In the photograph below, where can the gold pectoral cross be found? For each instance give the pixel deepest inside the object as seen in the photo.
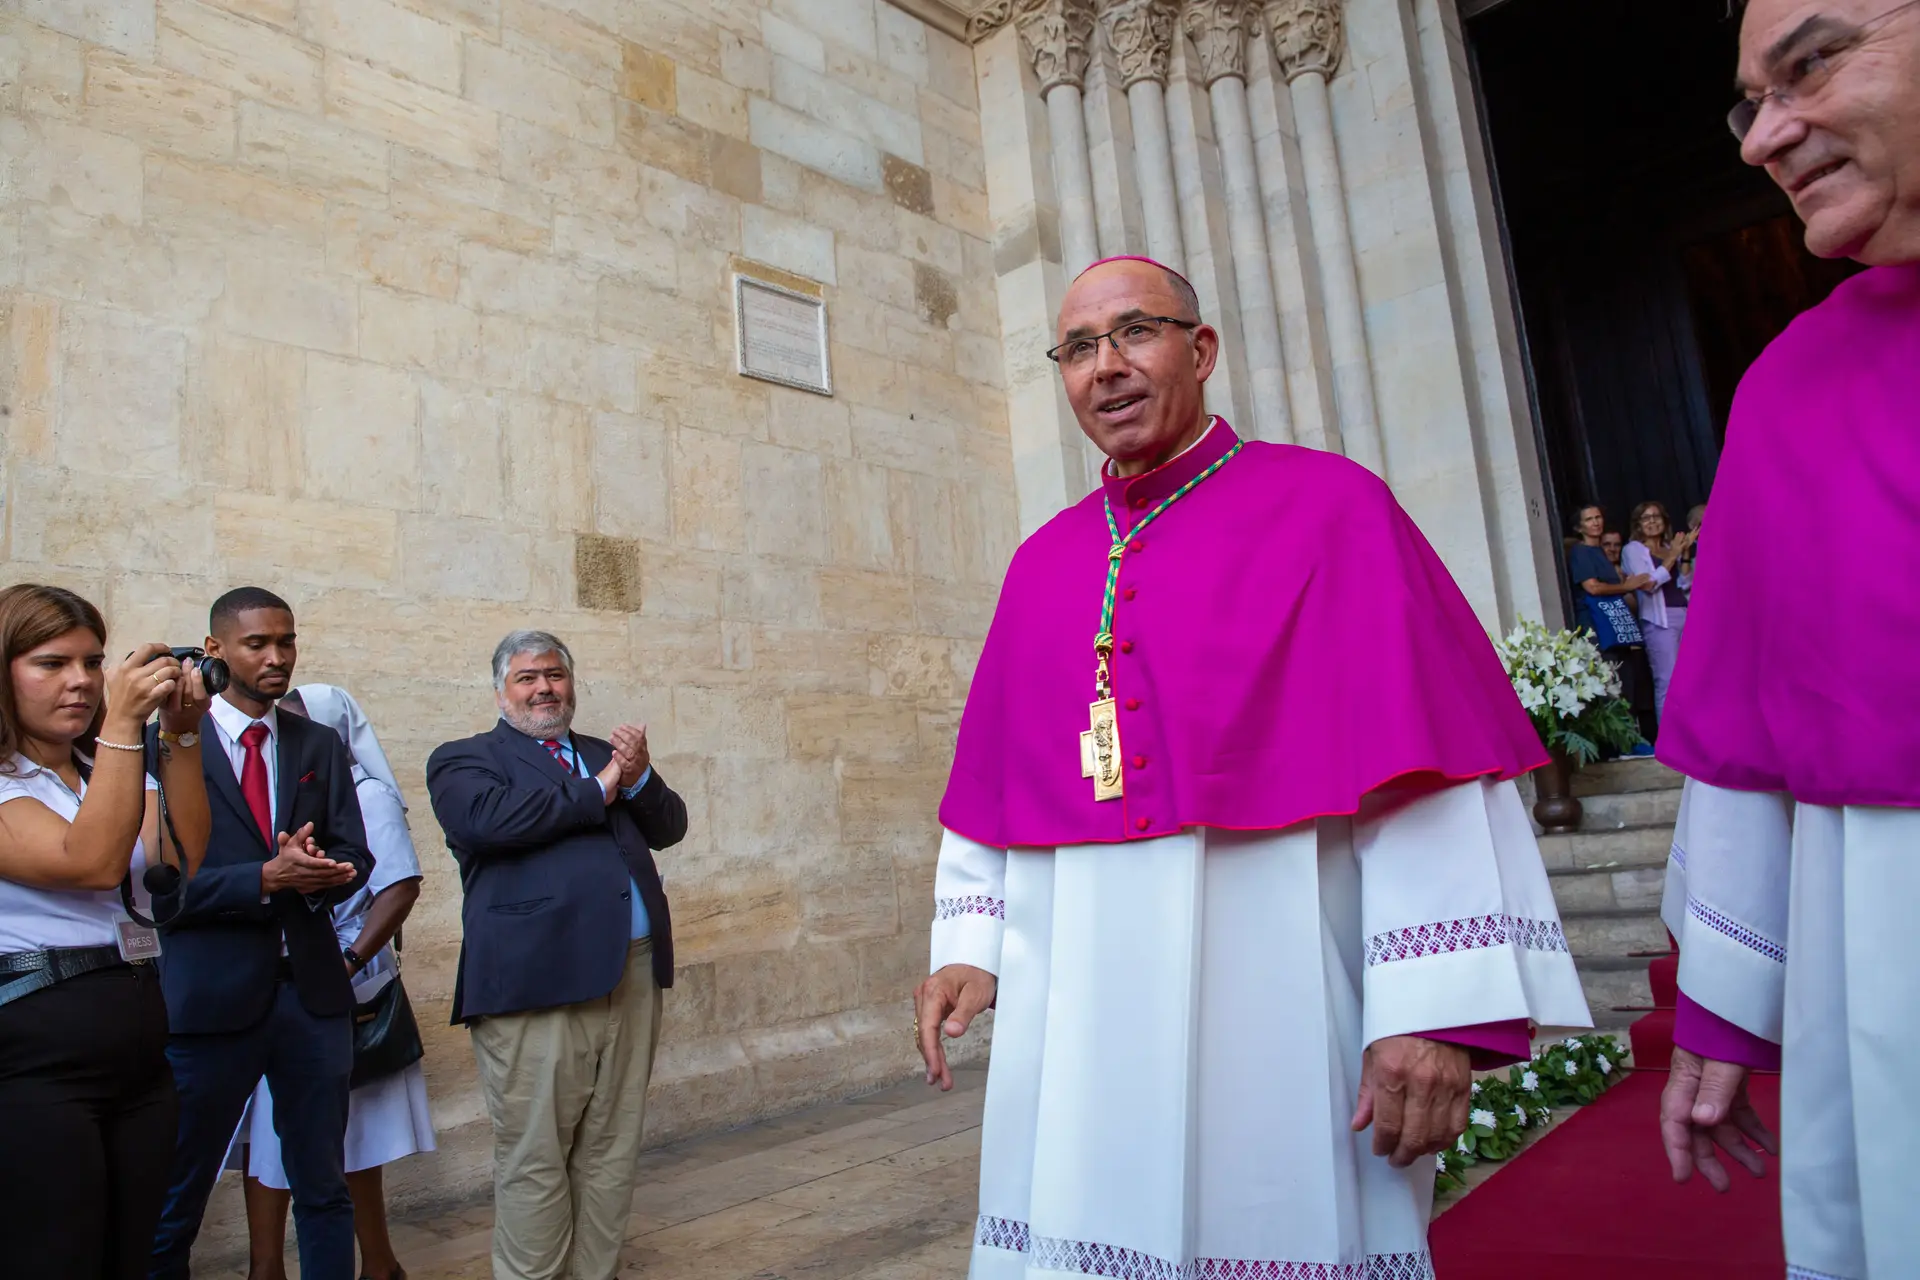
(1100, 750)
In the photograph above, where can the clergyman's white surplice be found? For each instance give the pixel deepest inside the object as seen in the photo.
(1792, 920)
(1180, 1024)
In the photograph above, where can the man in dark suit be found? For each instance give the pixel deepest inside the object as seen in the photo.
(566, 948)
(253, 975)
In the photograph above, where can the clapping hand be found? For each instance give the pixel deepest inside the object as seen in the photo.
(300, 866)
(631, 754)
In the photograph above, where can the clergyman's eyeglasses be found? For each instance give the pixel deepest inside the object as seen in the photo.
(1134, 335)
(1804, 75)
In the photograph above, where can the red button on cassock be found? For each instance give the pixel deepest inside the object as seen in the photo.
(1126, 646)
(1139, 762)
(1128, 593)
(1133, 704)
(1141, 824)
(1138, 544)
(1139, 502)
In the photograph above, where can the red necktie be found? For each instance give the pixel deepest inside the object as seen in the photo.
(253, 779)
(558, 750)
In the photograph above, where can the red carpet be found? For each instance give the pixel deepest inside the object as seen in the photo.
(1593, 1200)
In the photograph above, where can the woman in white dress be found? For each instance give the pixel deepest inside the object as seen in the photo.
(387, 1118)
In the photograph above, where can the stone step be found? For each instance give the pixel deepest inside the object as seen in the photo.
(1619, 776)
(1613, 931)
(1630, 888)
(1593, 850)
(1624, 811)
(1611, 981)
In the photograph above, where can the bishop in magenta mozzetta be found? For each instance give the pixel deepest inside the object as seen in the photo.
(1232, 846)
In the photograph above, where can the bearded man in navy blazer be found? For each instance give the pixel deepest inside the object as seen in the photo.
(251, 967)
(566, 947)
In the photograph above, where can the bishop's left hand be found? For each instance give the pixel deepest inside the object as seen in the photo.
(1414, 1092)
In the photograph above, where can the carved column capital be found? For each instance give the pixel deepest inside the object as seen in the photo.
(1219, 31)
(1140, 33)
(1307, 35)
(1054, 35)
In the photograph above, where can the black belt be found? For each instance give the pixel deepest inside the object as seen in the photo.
(38, 970)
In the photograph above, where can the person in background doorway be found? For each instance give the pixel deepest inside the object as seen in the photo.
(1655, 554)
(1612, 542)
(87, 1105)
(387, 1118)
(1600, 605)
(1696, 517)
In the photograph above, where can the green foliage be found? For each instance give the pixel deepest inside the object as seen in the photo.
(1574, 1071)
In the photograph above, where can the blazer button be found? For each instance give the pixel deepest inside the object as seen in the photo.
(626, 894)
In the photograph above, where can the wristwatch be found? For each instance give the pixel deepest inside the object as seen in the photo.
(180, 739)
(353, 958)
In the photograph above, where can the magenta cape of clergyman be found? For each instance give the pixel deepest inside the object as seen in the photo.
(1800, 664)
(1286, 643)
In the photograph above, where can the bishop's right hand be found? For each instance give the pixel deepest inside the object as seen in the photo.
(943, 1006)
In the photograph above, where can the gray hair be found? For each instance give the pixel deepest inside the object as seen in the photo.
(519, 642)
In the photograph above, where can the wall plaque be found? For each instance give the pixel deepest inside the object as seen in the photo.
(781, 335)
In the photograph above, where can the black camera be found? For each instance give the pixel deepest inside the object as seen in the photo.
(213, 671)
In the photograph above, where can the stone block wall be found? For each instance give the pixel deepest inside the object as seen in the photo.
(418, 312)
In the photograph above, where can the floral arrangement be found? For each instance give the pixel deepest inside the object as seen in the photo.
(1573, 1071)
(1570, 691)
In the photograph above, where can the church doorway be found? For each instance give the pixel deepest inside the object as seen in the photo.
(1650, 265)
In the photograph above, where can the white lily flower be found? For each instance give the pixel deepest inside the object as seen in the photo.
(1483, 1117)
(1573, 1068)
(1573, 1042)
(1530, 1082)
(1520, 1114)
(1460, 1145)
(1476, 1088)
(1606, 1067)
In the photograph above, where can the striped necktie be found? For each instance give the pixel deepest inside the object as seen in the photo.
(558, 750)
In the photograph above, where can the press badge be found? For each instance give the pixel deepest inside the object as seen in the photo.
(138, 942)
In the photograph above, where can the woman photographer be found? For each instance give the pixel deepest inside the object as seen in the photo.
(86, 1099)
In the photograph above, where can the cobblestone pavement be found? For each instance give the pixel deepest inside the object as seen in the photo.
(879, 1188)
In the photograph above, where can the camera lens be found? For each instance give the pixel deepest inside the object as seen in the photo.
(215, 675)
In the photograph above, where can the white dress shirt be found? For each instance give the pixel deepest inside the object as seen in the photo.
(229, 722)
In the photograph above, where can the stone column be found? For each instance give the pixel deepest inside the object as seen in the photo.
(1219, 30)
(1054, 35)
(1308, 42)
(1140, 33)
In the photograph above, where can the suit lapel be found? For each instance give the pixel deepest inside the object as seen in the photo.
(592, 754)
(286, 773)
(217, 766)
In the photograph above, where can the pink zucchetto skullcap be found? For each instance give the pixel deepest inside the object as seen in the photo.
(1135, 257)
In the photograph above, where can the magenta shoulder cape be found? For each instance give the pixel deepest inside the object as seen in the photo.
(1286, 643)
(1800, 665)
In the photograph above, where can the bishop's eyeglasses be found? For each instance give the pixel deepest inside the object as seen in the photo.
(1802, 76)
(1133, 336)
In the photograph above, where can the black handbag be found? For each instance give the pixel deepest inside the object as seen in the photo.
(386, 1039)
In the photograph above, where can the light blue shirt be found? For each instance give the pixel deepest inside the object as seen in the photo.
(641, 925)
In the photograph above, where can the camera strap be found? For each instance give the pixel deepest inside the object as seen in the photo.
(161, 879)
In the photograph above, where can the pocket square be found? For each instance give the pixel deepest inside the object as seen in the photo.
(307, 777)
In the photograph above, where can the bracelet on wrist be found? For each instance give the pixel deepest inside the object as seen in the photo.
(119, 746)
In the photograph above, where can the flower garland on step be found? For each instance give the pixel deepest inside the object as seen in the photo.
(1567, 1072)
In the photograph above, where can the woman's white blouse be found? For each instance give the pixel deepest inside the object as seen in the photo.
(31, 919)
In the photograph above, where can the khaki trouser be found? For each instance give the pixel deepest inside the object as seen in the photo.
(567, 1091)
